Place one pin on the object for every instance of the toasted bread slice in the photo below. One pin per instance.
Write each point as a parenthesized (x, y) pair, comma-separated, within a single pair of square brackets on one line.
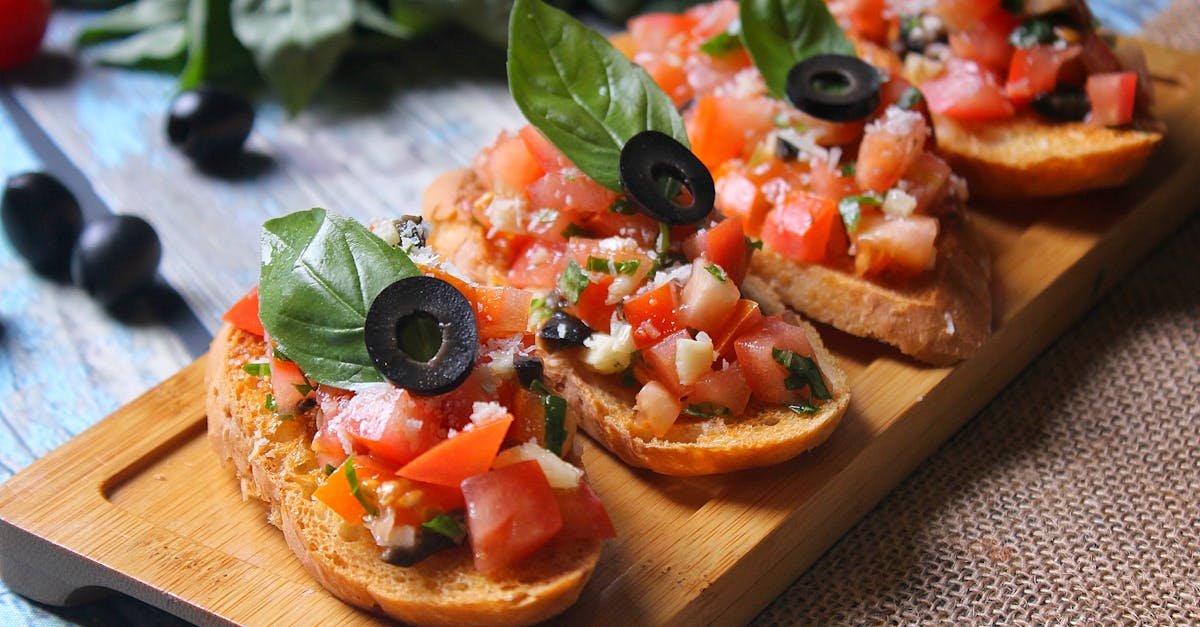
[(1027, 157), (605, 409), (939, 318), (275, 464)]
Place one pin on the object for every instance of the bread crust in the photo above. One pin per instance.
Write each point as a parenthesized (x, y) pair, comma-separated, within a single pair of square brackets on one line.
[(606, 410), (275, 463), (1027, 157)]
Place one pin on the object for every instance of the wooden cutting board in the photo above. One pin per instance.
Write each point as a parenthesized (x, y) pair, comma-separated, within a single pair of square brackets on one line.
[(137, 504)]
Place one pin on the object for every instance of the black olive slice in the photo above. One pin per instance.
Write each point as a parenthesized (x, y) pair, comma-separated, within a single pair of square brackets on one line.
[(1066, 103), (42, 220), (562, 330), (427, 543), (647, 161), (421, 334), (834, 87), (529, 369)]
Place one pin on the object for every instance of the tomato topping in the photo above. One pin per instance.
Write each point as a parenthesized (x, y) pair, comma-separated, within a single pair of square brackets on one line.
[(507, 166), (661, 358), (537, 266), (1112, 95), (967, 92), (764, 375), (468, 453), (986, 41), (724, 128), (1034, 71), (961, 14), (593, 307), (723, 244), (722, 388), (547, 155), (745, 318), (708, 299), (653, 314), (336, 492), (805, 228), (830, 182), (583, 515), (889, 147), (501, 311), (570, 190), (896, 245), (384, 420), (244, 314), (864, 18), (927, 181), (462, 286), (740, 195), (660, 32), (288, 386), (511, 512)]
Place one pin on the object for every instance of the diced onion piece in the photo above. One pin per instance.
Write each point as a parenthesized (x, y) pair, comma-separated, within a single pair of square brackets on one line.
[(657, 409), (693, 358), (559, 472)]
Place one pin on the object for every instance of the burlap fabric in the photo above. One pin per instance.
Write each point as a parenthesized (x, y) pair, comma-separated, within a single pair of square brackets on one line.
[(1073, 498)]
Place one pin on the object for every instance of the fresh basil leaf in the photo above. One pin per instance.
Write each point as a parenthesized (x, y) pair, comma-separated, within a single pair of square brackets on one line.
[(803, 408), (580, 92), (214, 55), (781, 33), (160, 49), (329, 469), (269, 403), (717, 271), (446, 525), (721, 44), (850, 168), (755, 244), (707, 409), (132, 19), (356, 487), (910, 99), (539, 311), (572, 282), (850, 208), (1032, 32), (608, 266), (295, 43), (320, 273), (804, 372), (555, 409), (257, 368)]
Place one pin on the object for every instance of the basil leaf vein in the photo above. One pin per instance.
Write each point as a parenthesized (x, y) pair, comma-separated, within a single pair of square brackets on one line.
[(781, 33)]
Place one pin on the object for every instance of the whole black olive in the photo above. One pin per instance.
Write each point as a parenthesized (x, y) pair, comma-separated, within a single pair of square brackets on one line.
[(207, 124), (1066, 103), (421, 334), (115, 257), (529, 369), (647, 160), (834, 87), (42, 220), (562, 330)]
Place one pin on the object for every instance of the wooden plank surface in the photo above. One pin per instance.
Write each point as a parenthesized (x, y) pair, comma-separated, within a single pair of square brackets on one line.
[(689, 551)]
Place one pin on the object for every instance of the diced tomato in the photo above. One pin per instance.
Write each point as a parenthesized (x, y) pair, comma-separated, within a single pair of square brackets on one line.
[(383, 420), (889, 147), (960, 14), (805, 228), (1034, 71), (723, 388), (244, 314), (529, 417), (928, 181), (668, 73), (986, 41), (661, 359), (660, 32), (467, 454), (712, 18), (639, 227), (830, 183), (584, 516), (335, 493), (501, 311), (507, 166), (462, 286), (723, 244), (657, 409), (547, 155), (537, 266), (1112, 95), (653, 314), (896, 245), (879, 56), (593, 307), (863, 18), (967, 92), (289, 388), (624, 43), (422, 501), (707, 300), (739, 195), (724, 128), (581, 249), (570, 190), (745, 318), (511, 512), (764, 375)]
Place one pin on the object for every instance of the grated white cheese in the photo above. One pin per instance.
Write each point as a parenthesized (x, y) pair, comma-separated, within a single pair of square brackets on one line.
[(504, 213), (896, 121), (610, 353), (898, 202), (483, 412)]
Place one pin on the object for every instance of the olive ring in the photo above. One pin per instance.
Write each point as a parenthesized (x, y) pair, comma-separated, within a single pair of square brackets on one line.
[(857, 87), (415, 296), (650, 157)]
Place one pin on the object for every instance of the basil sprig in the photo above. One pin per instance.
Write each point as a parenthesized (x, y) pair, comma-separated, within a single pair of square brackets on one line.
[(581, 92), (781, 33), (803, 373), (319, 275)]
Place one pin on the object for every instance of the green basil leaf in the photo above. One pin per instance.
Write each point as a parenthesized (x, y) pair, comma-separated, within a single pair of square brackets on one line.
[(717, 271), (781, 33), (850, 208), (160, 49), (257, 368), (804, 372), (707, 409), (295, 43), (446, 525), (608, 266), (555, 409), (132, 19), (572, 282), (214, 54), (721, 44), (356, 487), (580, 92), (319, 275)]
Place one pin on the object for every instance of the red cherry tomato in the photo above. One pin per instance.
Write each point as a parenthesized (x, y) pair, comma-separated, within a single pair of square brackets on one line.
[(22, 25)]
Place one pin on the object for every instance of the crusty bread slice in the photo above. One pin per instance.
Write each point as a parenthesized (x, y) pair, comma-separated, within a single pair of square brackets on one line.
[(1027, 157), (275, 464), (939, 318), (606, 410)]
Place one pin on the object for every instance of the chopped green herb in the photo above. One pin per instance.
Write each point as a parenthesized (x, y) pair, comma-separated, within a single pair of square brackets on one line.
[(269, 403), (851, 209), (706, 409), (756, 244), (356, 487), (717, 271), (446, 525), (574, 230), (608, 266), (555, 409), (303, 388), (622, 207), (539, 310), (849, 169), (910, 99), (572, 282), (257, 369), (804, 372), (329, 469), (1034, 31), (721, 44), (803, 408)]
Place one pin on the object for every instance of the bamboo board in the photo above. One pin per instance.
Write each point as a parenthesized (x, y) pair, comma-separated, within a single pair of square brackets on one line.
[(137, 504)]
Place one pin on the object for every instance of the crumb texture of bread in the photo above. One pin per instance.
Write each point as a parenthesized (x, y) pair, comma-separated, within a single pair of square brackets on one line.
[(606, 410), (939, 318), (275, 463), (1027, 157)]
